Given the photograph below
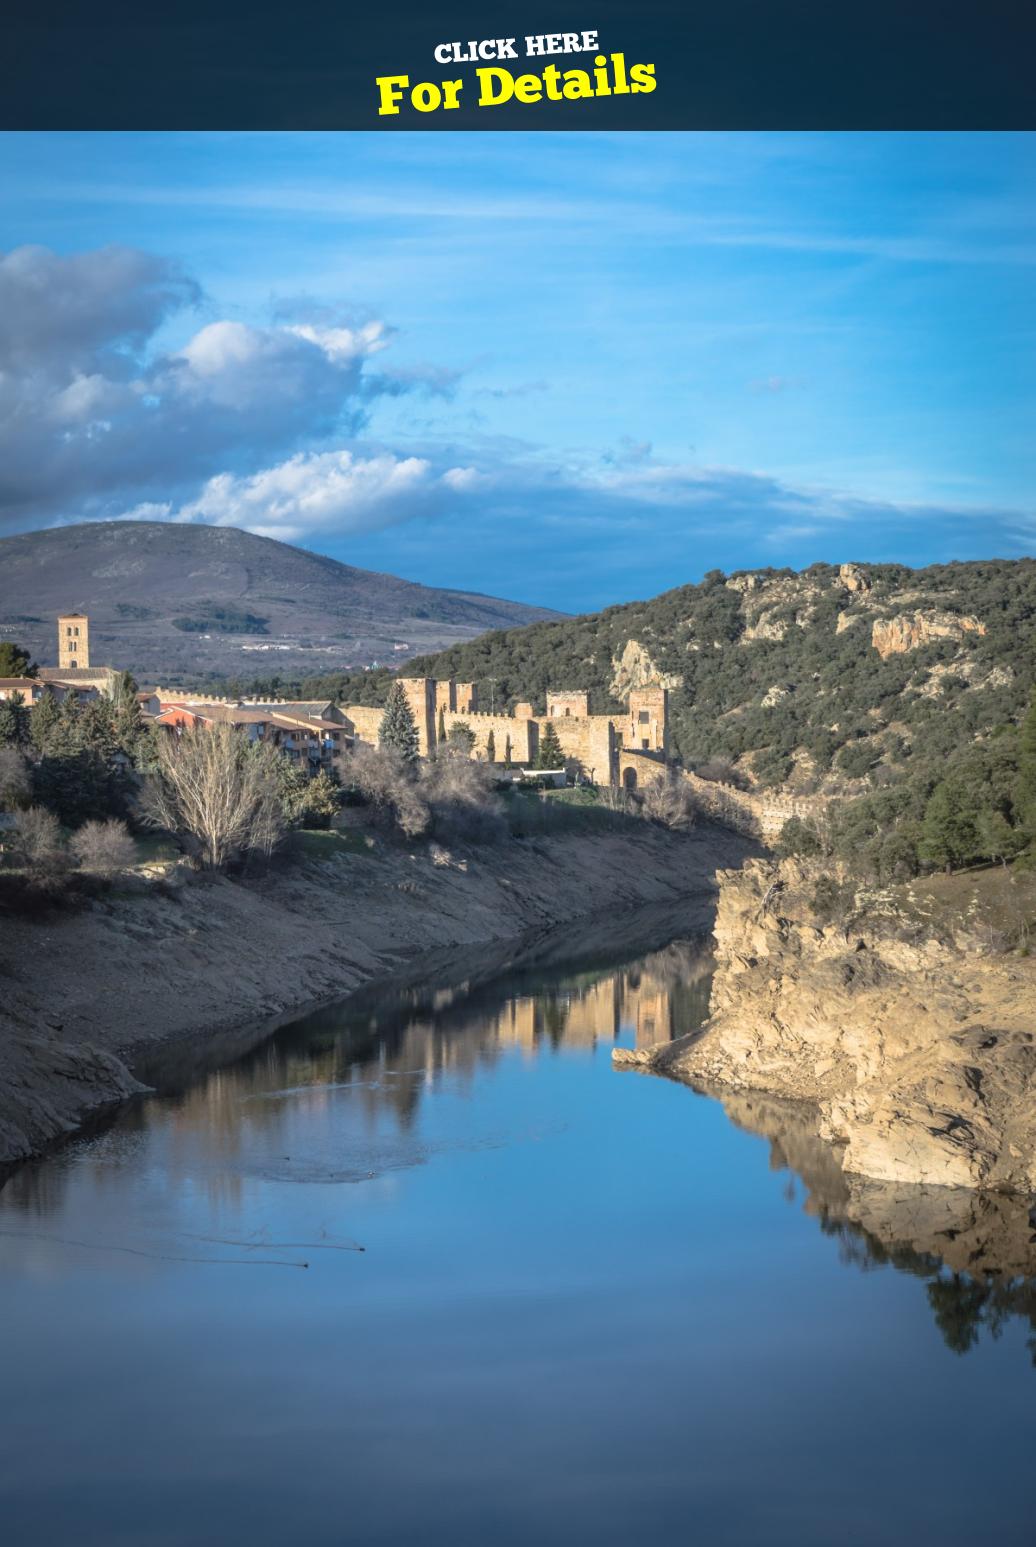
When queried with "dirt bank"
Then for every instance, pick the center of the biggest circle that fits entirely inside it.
(913, 1031)
(85, 995)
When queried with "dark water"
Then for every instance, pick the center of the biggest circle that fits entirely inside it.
(591, 1306)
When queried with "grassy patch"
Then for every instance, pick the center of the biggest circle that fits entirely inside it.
(326, 843)
(531, 812)
(154, 849)
(994, 905)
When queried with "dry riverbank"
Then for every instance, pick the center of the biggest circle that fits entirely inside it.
(85, 994)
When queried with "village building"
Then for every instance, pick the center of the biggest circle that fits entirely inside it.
(627, 749)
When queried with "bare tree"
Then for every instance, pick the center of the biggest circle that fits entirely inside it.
(388, 783)
(103, 847)
(218, 791)
(463, 799)
(669, 801)
(36, 844)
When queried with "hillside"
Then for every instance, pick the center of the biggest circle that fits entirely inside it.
(853, 681)
(169, 601)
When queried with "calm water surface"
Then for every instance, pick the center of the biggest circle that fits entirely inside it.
(589, 1308)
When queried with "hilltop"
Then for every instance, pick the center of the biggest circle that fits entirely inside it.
(839, 681)
(169, 601)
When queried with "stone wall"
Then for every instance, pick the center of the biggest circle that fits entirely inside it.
(757, 813)
(363, 721)
(590, 744)
(523, 735)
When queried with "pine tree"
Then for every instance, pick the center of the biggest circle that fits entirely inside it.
(398, 727)
(14, 661)
(551, 755)
(45, 716)
(507, 752)
(14, 722)
(490, 748)
(441, 736)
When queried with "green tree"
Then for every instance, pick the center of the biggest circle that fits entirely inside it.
(441, 737)
(461, 740)
(949, 835)
(550, 753)
(14, 722)
(45, 716)
(82, 771)
(1025, 786)
(398, 729)
(322, 801)
(14, 661)
(999, 840)
(507, 752)
(292, 789)
(490, 748)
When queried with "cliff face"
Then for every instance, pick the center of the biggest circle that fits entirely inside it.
(918, 1052)
(912, 630)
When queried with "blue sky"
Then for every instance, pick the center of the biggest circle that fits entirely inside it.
(572, 368)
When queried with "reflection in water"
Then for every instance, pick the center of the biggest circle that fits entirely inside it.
(976, 1251)
(555, 1331)
(384, 1049)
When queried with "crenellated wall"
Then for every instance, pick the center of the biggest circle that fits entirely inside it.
(523, 735)
(592, 743)
(757, 813)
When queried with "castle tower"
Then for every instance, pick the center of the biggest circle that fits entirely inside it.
(568, 705)
(421, 696)
(73, 640)
(648, 720)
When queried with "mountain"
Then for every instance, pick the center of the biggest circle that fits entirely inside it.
(169, 601)
(867, 681)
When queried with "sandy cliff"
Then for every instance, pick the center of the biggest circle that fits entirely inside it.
(918, 1052)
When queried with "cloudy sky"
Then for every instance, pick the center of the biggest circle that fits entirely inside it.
(570, 368)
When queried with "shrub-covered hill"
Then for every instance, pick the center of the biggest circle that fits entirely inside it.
(835, 680)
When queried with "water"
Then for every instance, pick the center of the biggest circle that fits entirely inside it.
(590, 1306)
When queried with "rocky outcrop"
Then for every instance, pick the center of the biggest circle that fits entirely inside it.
(774, 695)
(854, 579)
(919, 1055)
(909, 631)
(766, 625)
(634, 668)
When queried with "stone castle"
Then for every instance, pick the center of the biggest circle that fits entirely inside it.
(627, 749)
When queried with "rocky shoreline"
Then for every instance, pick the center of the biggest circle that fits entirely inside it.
(89, 996)
(917, 1052)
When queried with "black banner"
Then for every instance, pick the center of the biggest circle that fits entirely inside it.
(663, 64)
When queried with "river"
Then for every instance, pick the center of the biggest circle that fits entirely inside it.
(425, 1269)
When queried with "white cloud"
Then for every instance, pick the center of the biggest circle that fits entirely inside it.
(345, 345)
(328, 491)
(95, 417)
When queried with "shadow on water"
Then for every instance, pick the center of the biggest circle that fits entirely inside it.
(975, 1251)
